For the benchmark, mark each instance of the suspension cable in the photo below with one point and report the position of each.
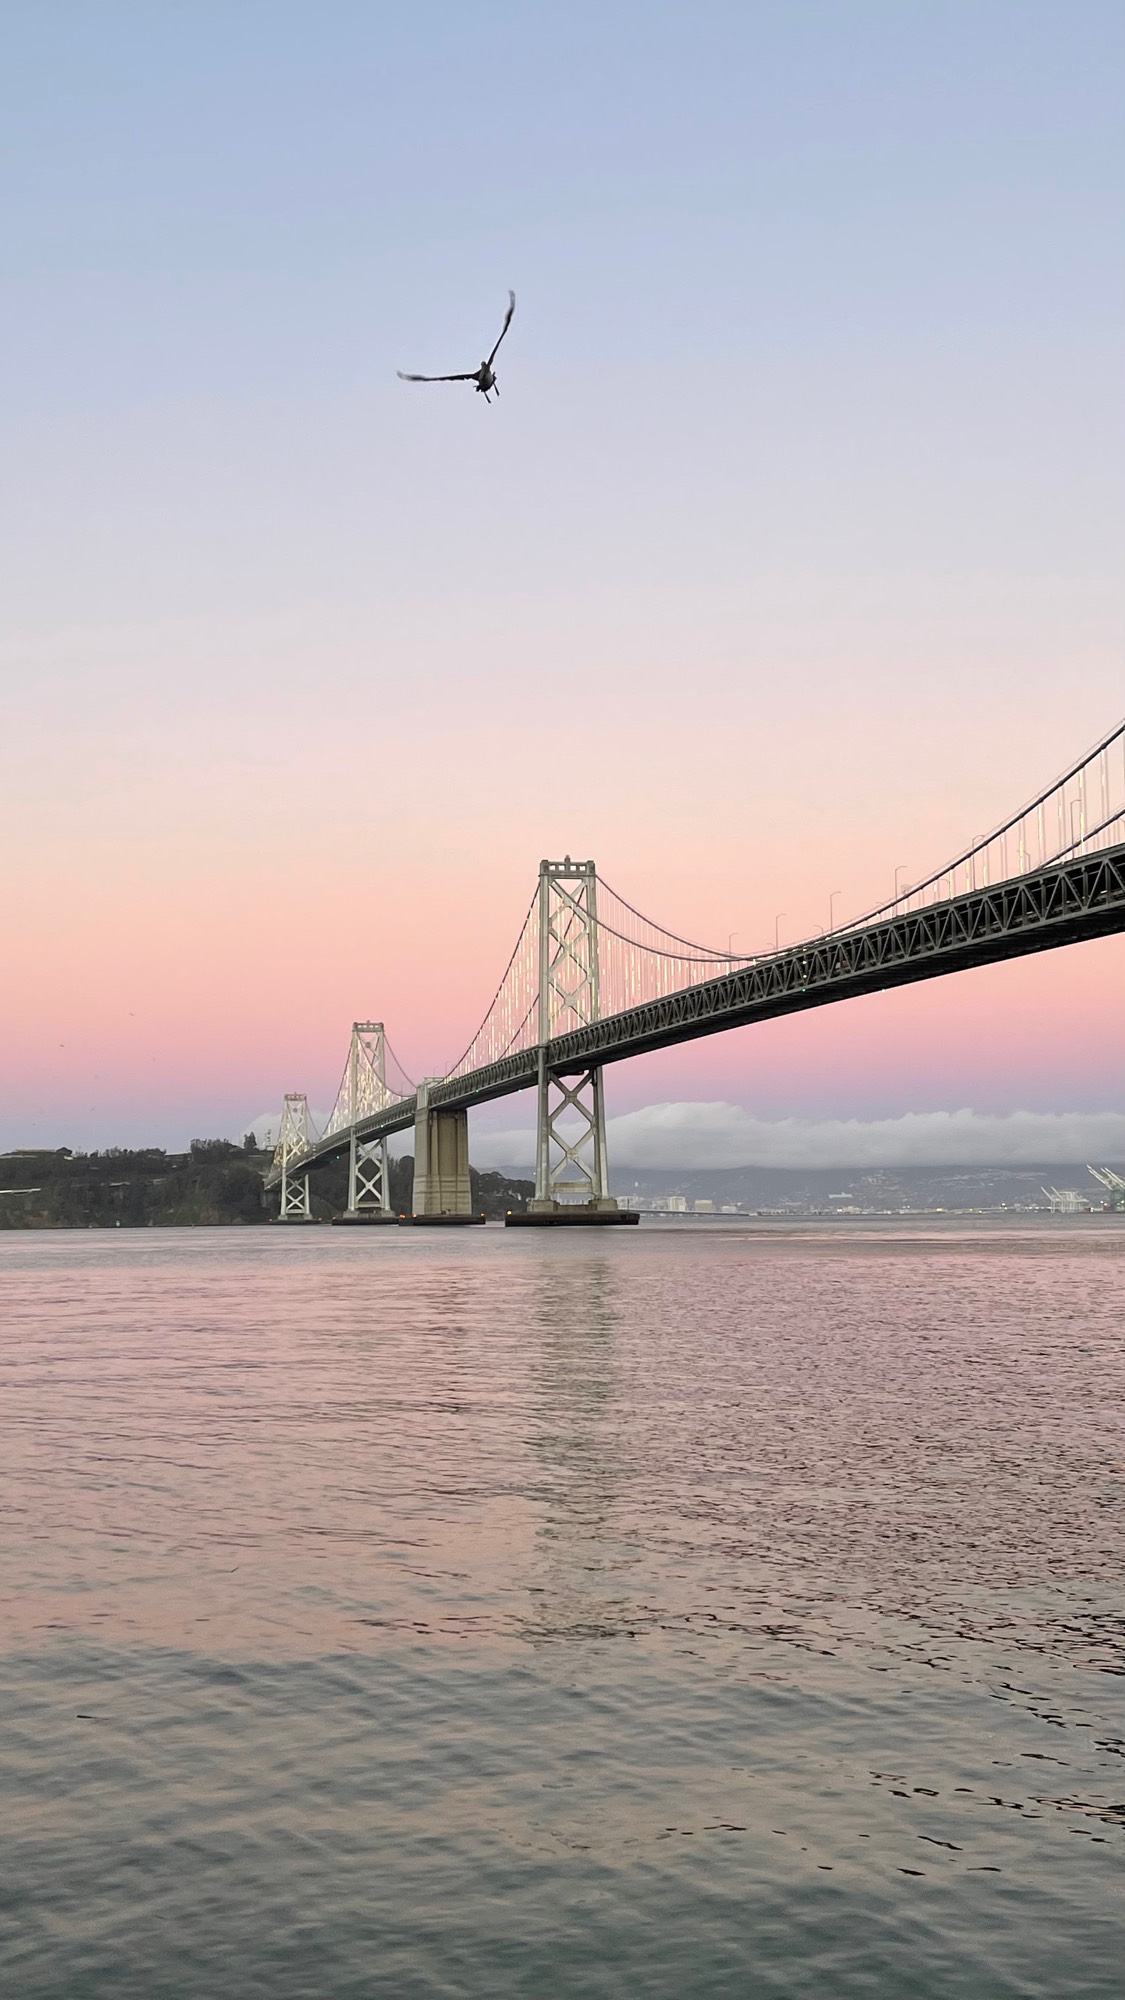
(403, 1071)
(500, 987)
(707, 957)
(705, 950)
(980, 846)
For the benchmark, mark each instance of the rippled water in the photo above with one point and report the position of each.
(682, 1612)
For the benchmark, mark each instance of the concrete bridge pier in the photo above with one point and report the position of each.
(442, 1191)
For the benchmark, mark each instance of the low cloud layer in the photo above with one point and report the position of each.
(686, 1136)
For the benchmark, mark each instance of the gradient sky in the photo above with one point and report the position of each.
(791, 552)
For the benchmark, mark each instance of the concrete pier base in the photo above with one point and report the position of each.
(571, 1215)
(441, 1163)
(439, 1221)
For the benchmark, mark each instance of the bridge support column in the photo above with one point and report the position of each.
(369, 1183)
(294, 1199)
(442, 1190)
(571, 1170)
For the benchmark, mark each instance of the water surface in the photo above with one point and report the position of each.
(687, 1611)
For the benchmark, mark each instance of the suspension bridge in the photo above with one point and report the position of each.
(591, 981)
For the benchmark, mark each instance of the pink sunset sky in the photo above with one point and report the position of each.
(790, 554)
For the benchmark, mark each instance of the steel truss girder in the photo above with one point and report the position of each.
(1060, 904)
(1056, 905)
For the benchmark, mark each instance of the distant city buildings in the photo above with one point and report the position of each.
(950, 1191)
(666, 1204)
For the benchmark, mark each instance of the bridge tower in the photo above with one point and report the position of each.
(369, 1184)
(294, 1138)
(571, 1173)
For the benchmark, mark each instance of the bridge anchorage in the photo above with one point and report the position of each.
(591, 981)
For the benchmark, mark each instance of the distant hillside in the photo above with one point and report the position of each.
(214, 1182)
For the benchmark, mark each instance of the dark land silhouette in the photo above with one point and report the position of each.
(215, 1182)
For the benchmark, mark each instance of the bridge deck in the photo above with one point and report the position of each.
(1064, 903)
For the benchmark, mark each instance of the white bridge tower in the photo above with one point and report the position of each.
(570, 1154)
(294, 1137)
(369, 1184)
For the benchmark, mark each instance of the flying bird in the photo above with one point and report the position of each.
(485, 375)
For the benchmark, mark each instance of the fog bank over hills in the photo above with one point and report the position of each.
(718, 1152)
(716, 1137)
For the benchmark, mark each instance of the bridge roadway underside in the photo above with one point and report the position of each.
(1065, 903)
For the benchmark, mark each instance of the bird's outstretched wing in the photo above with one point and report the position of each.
(435, 378)
(504, 328)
